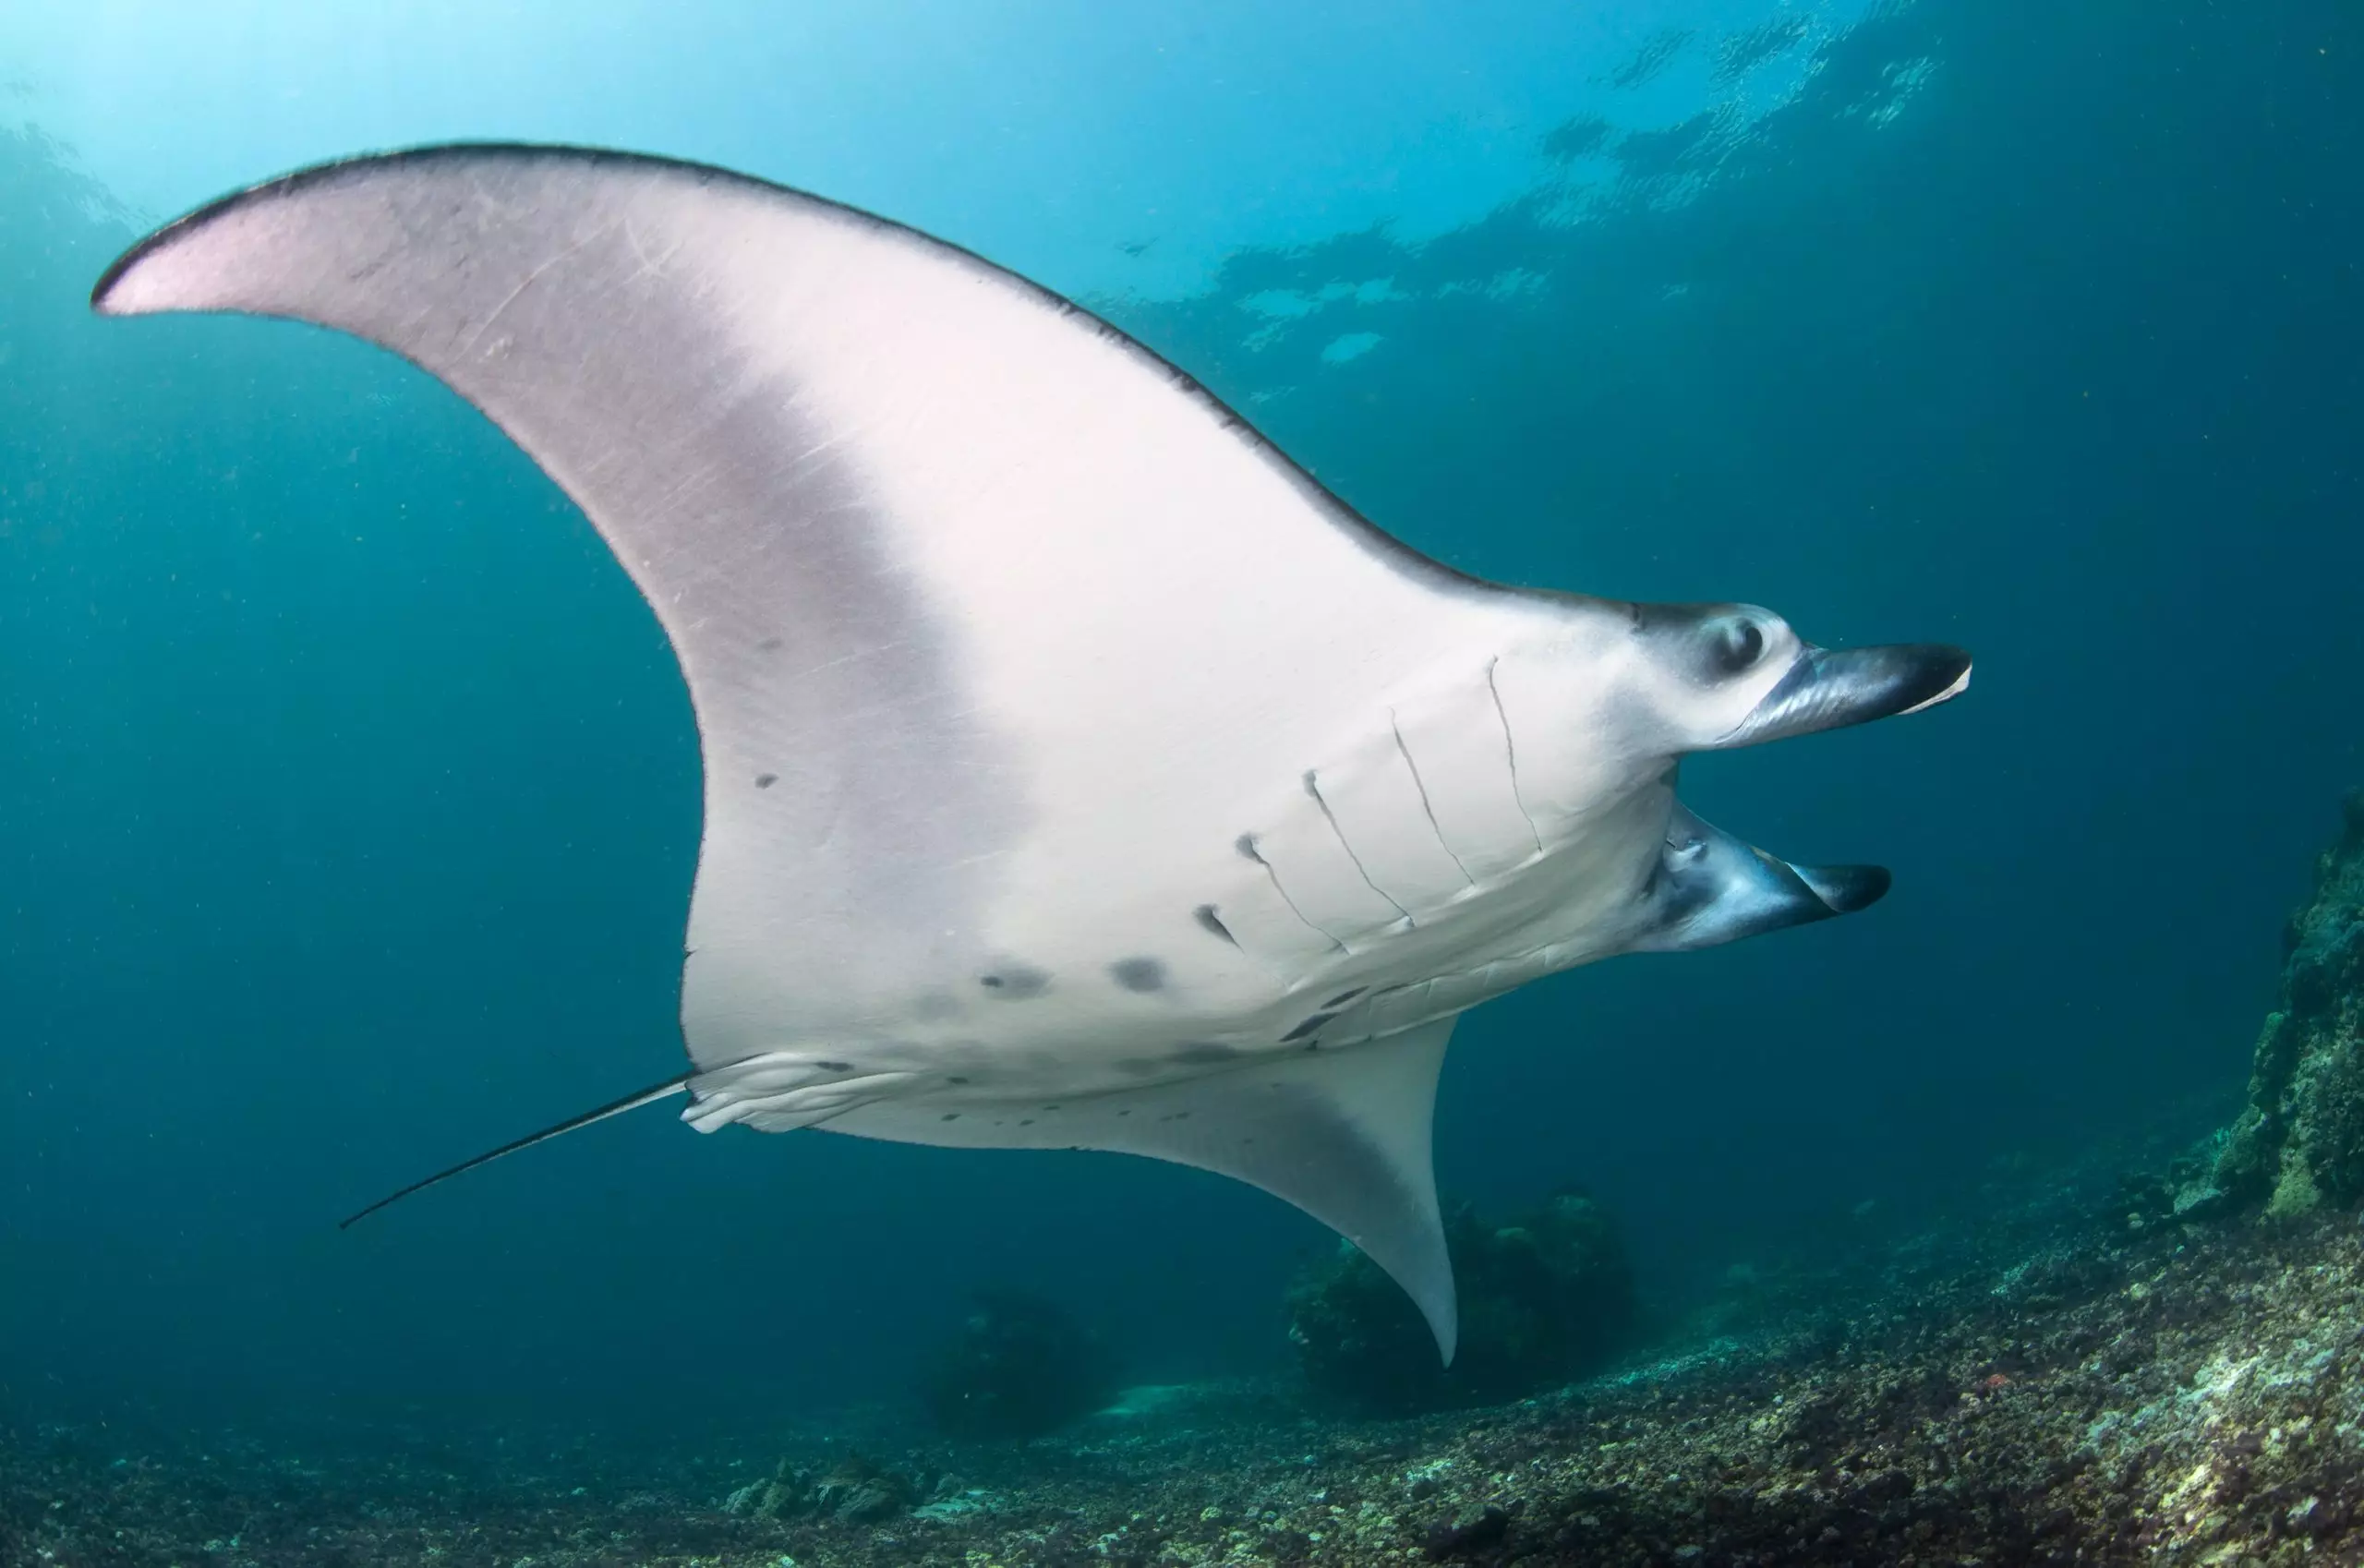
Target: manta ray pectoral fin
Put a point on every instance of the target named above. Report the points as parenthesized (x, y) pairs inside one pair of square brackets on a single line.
[(1343, 1134), (946, 561), (1711, 888)]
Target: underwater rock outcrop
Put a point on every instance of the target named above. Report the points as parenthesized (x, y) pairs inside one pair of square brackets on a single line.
[(2299, 1144), (1020, 1367), (1543, 1299), (855, 1489)]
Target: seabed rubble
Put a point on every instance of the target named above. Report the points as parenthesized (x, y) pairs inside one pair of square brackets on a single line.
[(2056, 1389)]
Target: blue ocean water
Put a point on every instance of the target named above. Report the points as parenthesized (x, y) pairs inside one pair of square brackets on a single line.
[(349, 792)]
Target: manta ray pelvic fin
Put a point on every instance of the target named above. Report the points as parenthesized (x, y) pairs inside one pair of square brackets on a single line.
[(1343, 1134)]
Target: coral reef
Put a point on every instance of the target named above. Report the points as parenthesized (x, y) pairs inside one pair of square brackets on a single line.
[(1020, 1367), (2301, 1143), (1542, 1300)]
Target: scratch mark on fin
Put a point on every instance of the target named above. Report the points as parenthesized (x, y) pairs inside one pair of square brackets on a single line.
[(529, 280)]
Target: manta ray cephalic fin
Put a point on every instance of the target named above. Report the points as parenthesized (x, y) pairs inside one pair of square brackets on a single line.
[(1343, 1134)]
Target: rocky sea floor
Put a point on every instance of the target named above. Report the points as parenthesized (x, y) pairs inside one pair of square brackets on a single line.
[(2060, 1381)]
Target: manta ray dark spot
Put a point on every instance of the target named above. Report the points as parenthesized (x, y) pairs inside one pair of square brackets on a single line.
[(1205, 914), (834, 1066), (769, 644), (1203, 1052), (1015, 982), (951, 1115), (1026, 1121), (1307, 1027), (1139, 974), (766, 780), (956, 1081)]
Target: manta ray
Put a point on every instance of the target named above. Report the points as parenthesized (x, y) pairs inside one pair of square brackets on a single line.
[(1078, 772)]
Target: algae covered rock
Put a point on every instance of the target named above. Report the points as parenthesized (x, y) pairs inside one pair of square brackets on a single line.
[(854, 1487), (1020, 1366), (2301, 1143), (1542, 1300)]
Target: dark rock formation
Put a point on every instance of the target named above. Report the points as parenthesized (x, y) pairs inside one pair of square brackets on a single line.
[(1020, 1368), (2301, 1143)]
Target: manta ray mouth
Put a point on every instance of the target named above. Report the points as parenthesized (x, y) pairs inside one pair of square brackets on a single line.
[(1829, 689)]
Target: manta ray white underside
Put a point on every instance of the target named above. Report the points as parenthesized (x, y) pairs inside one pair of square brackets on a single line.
[(1078, 772)]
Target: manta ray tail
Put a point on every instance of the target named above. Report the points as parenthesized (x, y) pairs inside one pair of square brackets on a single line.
[(677, 1084)]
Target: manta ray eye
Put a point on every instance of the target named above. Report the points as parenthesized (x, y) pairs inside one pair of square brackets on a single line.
[(1734, 643)]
